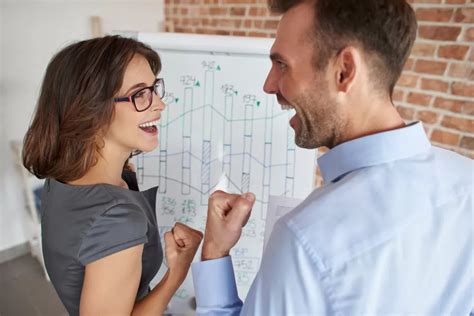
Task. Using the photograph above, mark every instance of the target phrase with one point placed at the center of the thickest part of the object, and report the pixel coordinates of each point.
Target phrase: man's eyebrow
(276, 56)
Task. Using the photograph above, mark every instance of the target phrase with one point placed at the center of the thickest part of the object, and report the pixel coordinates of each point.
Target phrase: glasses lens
(159, 88)
(143, 99)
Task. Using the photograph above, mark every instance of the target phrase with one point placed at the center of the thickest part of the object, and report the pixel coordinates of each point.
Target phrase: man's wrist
(211, 252)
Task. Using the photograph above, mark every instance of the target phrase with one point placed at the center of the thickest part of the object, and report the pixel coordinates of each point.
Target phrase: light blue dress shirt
(390, 233)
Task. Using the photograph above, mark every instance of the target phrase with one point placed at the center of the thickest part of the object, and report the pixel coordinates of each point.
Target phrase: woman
(99, 102)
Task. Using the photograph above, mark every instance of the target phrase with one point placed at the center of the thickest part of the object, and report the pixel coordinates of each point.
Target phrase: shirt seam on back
(321, 268)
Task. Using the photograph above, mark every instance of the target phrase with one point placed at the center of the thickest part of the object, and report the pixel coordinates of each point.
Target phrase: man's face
(297, 84)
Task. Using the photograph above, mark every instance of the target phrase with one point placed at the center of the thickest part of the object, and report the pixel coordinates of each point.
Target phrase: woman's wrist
(176, 276)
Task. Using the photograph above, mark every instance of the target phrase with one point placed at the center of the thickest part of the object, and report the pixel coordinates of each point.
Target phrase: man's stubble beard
(321, 122)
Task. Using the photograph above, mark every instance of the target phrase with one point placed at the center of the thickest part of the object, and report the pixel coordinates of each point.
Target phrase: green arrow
(176, 100)
(236, 92)
(197, 84)
(218, 67)
(258, 103)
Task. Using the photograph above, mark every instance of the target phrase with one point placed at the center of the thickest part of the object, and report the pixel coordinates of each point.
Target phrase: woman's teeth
(149, 124)
(286, 107)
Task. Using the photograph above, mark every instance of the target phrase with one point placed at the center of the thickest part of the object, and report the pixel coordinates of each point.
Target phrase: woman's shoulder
(97, 220)
(119, 227)
(95, 196)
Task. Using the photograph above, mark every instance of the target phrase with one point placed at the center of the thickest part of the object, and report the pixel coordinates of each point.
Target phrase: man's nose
(270, 86)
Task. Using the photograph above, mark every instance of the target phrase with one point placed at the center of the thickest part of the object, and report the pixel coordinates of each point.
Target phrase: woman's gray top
(81, 224)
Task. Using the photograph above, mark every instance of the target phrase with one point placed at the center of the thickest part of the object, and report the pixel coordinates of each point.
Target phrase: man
(391, 230)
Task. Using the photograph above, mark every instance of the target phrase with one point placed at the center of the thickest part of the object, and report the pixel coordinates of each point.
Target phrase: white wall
(2, 133)
(31, 31)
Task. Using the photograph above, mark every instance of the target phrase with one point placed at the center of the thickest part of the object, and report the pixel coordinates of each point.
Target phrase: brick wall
(437, 85)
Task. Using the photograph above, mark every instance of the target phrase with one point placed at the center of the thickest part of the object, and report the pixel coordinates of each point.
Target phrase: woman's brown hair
(76, 105)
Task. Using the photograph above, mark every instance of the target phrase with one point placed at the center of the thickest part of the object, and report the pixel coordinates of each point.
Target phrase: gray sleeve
(121, 227)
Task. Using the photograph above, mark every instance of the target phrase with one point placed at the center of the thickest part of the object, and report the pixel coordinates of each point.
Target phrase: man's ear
(348, 66)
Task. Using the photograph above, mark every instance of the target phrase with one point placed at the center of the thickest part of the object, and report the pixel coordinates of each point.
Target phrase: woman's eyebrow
(138, 85)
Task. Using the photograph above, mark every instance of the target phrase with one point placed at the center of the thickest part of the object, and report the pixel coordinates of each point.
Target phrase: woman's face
(127, 130)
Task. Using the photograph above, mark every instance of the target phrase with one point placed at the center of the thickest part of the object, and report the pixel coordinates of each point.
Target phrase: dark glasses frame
(158, 88)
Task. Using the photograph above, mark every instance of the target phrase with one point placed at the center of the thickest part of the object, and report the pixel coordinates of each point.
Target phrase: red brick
(204, 11)
(440, 33)
(434, 14)
(406, 113)
(270, 24)
(453, 51)
(238, 33)
(217, 11)
(254, 11)
(467, 142)
(444, 137)
(227, 23)
(200, 31)
(409, 64)
(424, 50)
(398, 95)
(424, 1)
(238, 1)
(427, 117)
(459, 124)
(463, 71)
(430, 67)
(469, 35)
(419, 98)
(463, 89)
(238, 11)
(408, 80)
(434, 84)
(180, 29)
(257, 34)
(458, 106)
(464, 15)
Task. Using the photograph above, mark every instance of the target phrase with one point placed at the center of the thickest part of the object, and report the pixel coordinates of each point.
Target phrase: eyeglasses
(143, 98)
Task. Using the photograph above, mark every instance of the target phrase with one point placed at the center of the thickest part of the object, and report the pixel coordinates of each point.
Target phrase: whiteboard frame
(207, 43)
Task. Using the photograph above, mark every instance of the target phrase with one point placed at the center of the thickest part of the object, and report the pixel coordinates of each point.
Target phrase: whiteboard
(220, 130)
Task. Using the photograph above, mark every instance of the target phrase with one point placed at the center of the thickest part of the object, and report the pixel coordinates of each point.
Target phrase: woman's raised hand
(181, 244)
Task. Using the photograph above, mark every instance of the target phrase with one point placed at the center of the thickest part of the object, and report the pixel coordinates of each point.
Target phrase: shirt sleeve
(215, 288)
(121, 227)
(289, 281)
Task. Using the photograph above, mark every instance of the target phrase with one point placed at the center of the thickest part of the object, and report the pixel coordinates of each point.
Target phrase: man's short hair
(384, 29)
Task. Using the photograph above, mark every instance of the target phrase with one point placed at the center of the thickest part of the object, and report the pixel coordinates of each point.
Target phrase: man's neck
(373, 119)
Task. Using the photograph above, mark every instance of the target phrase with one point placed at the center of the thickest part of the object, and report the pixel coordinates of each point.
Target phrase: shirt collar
(373, 150)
